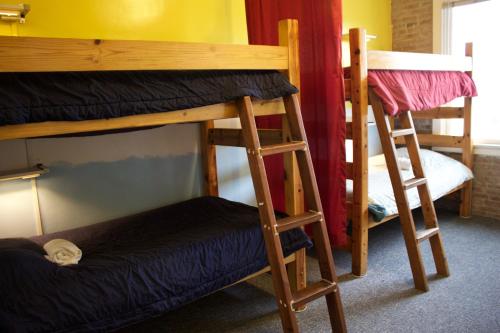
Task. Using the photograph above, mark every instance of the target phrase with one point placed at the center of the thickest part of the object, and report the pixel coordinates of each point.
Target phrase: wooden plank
(348, 170)
(359, 99)
(233, 137)
(211, 112)
(440, 113)
(347, 89)
(437, 140)
(209, 160)
(33, 54)
(390, 60)
(348, 130)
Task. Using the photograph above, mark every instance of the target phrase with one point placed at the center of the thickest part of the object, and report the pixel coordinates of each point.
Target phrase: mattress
(75, 96)
(443, 174)
(135, 268)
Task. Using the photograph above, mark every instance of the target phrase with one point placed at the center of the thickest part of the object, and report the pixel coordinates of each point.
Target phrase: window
(477, 22)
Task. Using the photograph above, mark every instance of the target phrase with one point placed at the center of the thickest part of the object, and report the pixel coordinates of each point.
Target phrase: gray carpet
(384, 300)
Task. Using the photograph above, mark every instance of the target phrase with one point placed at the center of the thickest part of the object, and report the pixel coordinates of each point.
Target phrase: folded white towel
(62, 252)
(404, 163)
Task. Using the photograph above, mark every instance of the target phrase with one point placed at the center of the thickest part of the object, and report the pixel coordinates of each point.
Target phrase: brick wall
(412, 31)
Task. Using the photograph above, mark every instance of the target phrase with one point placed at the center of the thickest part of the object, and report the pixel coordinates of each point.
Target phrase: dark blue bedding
(74, 96)
(152, 263)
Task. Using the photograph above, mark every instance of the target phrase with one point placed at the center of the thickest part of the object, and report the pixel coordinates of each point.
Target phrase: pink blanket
(418, 90)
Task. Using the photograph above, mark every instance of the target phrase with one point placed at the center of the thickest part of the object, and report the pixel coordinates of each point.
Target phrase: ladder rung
(413, 182)
(312, 292)
(282, 148)
(426, 233)
(402, 132)
(301, 220)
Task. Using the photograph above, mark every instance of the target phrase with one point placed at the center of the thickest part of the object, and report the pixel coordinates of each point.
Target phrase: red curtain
(322, 96)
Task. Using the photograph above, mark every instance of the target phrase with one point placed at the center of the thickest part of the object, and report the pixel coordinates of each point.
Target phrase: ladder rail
(428, 210)
(288, 302)
(266, 212)
(405, 215)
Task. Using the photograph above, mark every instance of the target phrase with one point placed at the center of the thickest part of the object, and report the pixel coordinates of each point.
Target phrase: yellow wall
(218, 21)
(374, 16)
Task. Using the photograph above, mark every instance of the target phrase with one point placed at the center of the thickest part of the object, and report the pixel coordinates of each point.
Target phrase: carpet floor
(382, 301)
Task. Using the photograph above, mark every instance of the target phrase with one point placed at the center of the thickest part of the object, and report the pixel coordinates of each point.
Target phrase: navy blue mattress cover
(153, 263)
(74, 96)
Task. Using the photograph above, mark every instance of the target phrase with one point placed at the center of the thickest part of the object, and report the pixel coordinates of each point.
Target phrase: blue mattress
(74, 96)
(136, 269)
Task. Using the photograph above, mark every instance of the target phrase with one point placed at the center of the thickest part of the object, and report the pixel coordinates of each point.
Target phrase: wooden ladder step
(402, 132)
(312, 292)
(426, 233)
(283, 148)
(301, 220)
(414, 182)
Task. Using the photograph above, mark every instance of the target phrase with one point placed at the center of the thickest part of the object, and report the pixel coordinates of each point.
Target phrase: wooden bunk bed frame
(356, 91)
(28, 54)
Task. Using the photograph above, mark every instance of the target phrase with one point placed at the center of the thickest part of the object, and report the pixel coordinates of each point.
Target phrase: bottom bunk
(444, 175)
(133, 268)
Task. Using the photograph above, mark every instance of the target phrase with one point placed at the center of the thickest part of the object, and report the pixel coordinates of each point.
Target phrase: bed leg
(360, 245)
(466, 200)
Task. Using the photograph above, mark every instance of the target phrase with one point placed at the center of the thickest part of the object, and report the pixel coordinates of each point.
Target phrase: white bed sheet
(443, 174)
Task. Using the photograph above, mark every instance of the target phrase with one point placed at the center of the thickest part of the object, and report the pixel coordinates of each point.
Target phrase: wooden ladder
(412, 237)
(290, 301)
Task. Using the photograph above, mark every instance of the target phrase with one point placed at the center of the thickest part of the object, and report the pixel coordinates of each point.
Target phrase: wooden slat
(217, 111)
(426, 234)
(349, 209)
(209, 160)
(297, 221)
(284, 147)
(349, 170)
(314, 291)
(402, 132)
(347, 89)
(348, 131)
(436, 140)
(234, 137)
(440, 113)
(389, 60)
(414, 182)
(32, 54)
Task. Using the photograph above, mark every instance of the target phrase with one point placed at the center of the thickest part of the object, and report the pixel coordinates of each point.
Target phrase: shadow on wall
(73, 196)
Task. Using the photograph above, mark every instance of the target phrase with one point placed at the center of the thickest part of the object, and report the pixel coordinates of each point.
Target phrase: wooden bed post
(467, 149)
(359, 100)
(294, 198)
(209, 160)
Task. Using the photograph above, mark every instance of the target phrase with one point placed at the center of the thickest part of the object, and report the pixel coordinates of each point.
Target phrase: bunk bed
(371, 200)
(140, 250)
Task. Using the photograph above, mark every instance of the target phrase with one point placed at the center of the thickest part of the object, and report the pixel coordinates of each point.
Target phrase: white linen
(62, 252)
(442, 172)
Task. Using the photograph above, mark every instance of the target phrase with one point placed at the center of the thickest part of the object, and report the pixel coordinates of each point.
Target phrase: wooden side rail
(390, 60)
(347, 89)
(437, 140)
(348, 130)
(234, 137)
(440, 113)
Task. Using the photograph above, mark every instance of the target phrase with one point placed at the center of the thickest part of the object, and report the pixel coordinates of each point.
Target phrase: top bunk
(30, 55)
